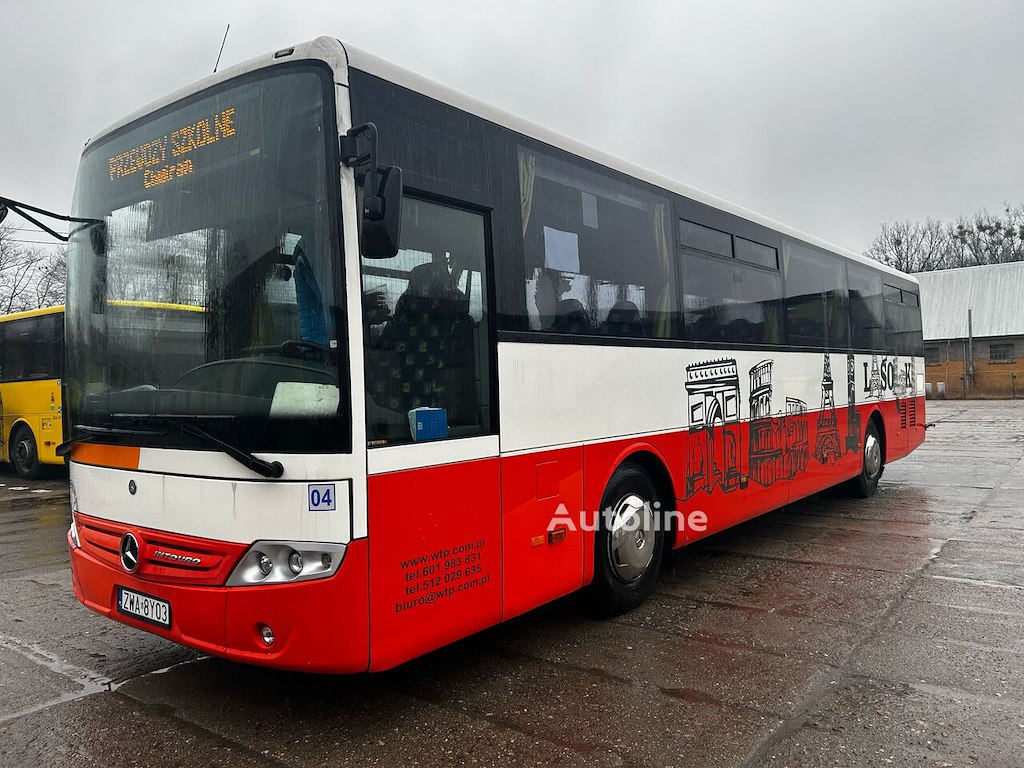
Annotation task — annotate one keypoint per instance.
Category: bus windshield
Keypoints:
(210, 296)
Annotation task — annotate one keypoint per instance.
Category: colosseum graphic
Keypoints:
(778, 444)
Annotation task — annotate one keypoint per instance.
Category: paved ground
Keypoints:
(830, 633)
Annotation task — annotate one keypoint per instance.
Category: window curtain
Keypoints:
(663, 320)
(527, 174)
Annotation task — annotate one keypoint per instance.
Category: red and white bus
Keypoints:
(303, 440)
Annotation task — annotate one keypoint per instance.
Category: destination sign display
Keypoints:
(174, 154)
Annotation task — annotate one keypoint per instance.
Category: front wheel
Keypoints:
(872, 464)
(629, 543)
(24, 454)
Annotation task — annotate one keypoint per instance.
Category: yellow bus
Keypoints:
(31, 368)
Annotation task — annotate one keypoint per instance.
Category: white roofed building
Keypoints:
(973, 323)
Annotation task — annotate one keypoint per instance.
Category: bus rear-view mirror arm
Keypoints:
(381, 214)
(97, 227)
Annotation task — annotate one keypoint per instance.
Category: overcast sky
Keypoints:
(832, 117)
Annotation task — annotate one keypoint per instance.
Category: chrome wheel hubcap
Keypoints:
(631, 538)
(872, 457)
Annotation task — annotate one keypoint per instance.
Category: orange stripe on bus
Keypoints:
(120, 456)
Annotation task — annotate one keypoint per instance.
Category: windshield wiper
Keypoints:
(260, 466)
(88, 433)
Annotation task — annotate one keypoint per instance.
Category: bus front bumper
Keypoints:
(318, 626)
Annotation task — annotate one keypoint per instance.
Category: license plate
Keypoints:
(144, 607)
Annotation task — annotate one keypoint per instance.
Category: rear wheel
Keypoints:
(24, 455)
(629, 544)
(872, 464)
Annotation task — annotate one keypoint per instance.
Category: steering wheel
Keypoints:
(294, 347)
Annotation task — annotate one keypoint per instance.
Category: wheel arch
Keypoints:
(609, 593)
(653, 462)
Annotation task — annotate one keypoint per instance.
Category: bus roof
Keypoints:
(32, 313)
(339, 56)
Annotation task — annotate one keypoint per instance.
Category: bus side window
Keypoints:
(23, 353)
(867, 316)
(729, 295)
(425, 325)
(902, 322)
(597, 249)
(817, 313)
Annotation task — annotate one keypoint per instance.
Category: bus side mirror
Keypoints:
(98, 238)
(382, 217)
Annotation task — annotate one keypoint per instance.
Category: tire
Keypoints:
(872, 464)
(24, 453)
(629, 545)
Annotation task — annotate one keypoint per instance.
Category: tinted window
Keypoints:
(725, 300)
(31, 348)
(867, 316)
(903, 323)
(916, 336)
(816, 297)
(597, 251)
(425, 321)
(755, 253)
(703, 238)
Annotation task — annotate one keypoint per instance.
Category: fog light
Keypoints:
(266, 565)
(325, 561)
(266, 635)
(295, 563)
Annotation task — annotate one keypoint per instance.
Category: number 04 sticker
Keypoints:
(322, 497)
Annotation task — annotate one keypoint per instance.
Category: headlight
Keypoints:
(74, 532)
(281, 562)
(264, 563)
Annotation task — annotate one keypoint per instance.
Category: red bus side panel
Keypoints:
(435, 557)
(541, 491)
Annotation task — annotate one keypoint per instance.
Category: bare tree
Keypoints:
(29, 277)
(987, 238)
(17, 269)
(984, 238)
(51, 276)
(912, 246)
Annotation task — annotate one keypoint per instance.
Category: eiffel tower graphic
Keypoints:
(899, 386)
(852, 416)
(826, 441)
(875, 380)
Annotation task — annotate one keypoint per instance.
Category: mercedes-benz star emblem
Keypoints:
(129, 552)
